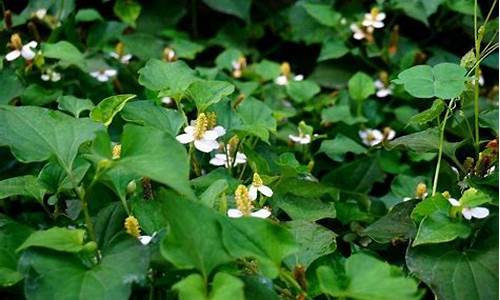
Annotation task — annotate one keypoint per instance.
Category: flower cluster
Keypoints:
(245, 205)
(26, 51)
(373, 137)
(286, 75)
(203, 133)
(372, 20)
(133, 228)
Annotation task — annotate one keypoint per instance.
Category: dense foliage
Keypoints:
(239, 149)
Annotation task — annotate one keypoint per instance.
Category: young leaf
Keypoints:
(361, 86)
(127, 10)
(302, 91)
(106, 110)
(147, 113)
(440, 228)
(339, 146)
(207, 92)
(238, 8)
(332, 49)
(56, 238)
(438, 106)
(445, 81)
(323, 13)
(66, 52)
(74, 105)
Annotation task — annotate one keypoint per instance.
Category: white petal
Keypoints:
(55, 77)
(205, 145)
(126, 58)
(114, 55)
(380, 16)
(166, 100)
(391, 135)
(110, 72)
(189, 129)
(218, 161)
(466, 212)
(234, 213)
(185, 138)
(252, 192)
(211, 135)
(261, 213)
(382, 93)
(407, 198)
(359, 36)
(294, 138)
(378, 24)
(95, 74)
(363, 134)
(454, 202)
(220, 130)
(145, 239)
(379, 84)
(479, 212)
(27, 53)
(306, 139)
(102, 77)
(45, 77)
(12, 55)
(40, 13)
(265, 190)
(299, 77)
(281, 80)
(32, 44)
(240, 158)
(367, 22)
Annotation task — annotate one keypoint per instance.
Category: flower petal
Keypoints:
(299, 77)
(210, 135)
(454, 202)
(205, 145)
(27, 53)
(32, 44)
(466, 212)
(265, 190)
(220, 130)
(102, 77)
(145, 239)
(262, 213)
(234, 213)
(12, 55)
(479, 212)
(218, 161)
(45, 77)
(252, 192)
(185, 138)
(281, 80)
(110, 72)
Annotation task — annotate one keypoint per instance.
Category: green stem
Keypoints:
(441, 143)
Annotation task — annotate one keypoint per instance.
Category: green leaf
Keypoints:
(37, 134)
(396, 225)
(419, 9)
(172, 79)
(323, 13)
(225, 59)
(340, 113)
(253, 237)
(127, 10)
(106, 110)
(224, 286)
(147, 113)
(339, 146)
(332, 49)
(74, 105)
(147, 151)
(266, 69)
(56, 238)
(207, 92)
(314, 242)
(489, 119)
(430, 205)
(66, 53)
(185, 48)
(124, 262)
(302, 208)
(440, 228)
(11, 86)
(28, 186)
(143, 45)
(216, 190)
(257, 119)
(438, 106)
(88, 15)
(473, 198)
(445, 81)
(361, 86)
(356, 176)
(12, 234)
(302, 91)
(37, 95)
(238, 8)
(451, 273)
(55, 179)
(189, 244)
(367, 278)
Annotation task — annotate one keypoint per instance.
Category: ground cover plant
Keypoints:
(239, 149)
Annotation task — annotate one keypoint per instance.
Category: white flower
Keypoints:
(299, 77)
(286, 74)
(166, 100)
(169, 54)
(382, 90)
(51, 75)
(301, 138)
(258, 186)
(374, 19)
(389, 133)
(124, 59)
(371, 137)
(26, 51)
(361, 33)
(204, 139)
(146, 239)
(40, 13)
(469, 213)
(262, 213)
(103, 75)
(221, 159)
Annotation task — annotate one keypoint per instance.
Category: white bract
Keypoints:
(245, 206)
(469, 213)
(51, 75)
(103, 75)
(301, 138)
(204, 139)
(382, 90)
(146, 239)
(358, 33)
(389, 133)
(258, 186)
(124, 59)
(374, 19)
(222, 159)
(371, 137)
(27, 51)
(40, 13)
(167, 100)
(262, 213)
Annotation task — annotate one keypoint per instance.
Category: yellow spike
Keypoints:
(243, 200)
(117, 151)
(421, 190)
(15, 41)
(201, 126)
(132, 226)
(257, 181)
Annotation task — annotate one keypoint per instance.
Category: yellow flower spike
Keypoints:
(117, 150)
(211, 120)
(421, 190)
(374, 12)
(132, 226)
(201, 126)
(15, 41)
(243, 200)
(285, 69)
(120, 49)
(257, 181)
